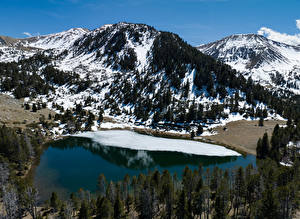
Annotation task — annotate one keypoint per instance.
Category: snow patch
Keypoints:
(135, 141)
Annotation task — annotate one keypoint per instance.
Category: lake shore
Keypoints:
(241, 135)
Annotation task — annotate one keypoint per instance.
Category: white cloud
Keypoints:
(281, 37)
(298, 23)
(27, 34)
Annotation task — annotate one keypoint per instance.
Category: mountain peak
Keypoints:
(7, 41)
(258, 57)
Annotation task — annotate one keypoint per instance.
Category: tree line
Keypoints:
(268, 191)
(282, 145)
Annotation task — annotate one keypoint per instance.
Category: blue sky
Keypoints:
(196, 21)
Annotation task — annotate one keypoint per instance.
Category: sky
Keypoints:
(196, 21)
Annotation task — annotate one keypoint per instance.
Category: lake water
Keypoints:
(76, 162)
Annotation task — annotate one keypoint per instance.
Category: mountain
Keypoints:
(4, 40)
(265, 61)
(15, 49)
(58, 41)
(134, 73)
(93, 50)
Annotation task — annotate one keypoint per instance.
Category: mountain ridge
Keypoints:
(266, 61)
(135, 73)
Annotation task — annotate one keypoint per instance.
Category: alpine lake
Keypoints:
(75, 163)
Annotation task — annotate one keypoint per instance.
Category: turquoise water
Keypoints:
(73, 163)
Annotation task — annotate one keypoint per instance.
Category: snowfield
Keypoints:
(135, 141)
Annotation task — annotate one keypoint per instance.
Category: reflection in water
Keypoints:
(73, 163)
(139, 160)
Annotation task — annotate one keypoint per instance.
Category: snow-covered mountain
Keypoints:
(90, 51)
(58, 41)
(131, 71)
(87, 51)
(265, 61)
(15, 49)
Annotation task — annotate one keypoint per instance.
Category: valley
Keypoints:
(166, 123)
(132, 76)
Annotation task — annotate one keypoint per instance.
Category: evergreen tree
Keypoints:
(118, 208)
(27, 107)
(100, 116)
(198, 202)
(239, 190)
(181, 206)
(102, 184)
(84, 212)
(261, 122)
(54, 201)
(192, 135)
(34, 108)
(269, 205)
(104, 209)
(219, 206)
(259, 152)
(265, 146)
(199, 130)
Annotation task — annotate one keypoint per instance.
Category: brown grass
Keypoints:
(12, 114)
(243, 135)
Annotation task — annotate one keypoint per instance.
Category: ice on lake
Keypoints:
(135, 141)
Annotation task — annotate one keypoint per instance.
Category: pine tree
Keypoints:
(261, 122)
(54, 201)
(118, 208)
(269, 205)
(265, 146)
(199, 130)
(192, 135)
(219, 206)
(27, 107)
(111, 192)
(84, 212)
(102, 184)
(198, 202)
(167, 192)
(34, 108)
(259, 152)
(128, 203)
(100, 116)
(275, 144)
(181, 206)
(104, 209)
(239, 189)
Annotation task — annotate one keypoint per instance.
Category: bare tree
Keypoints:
(102, 184)
(69, 210)
(111, 192)
(29, 145)
(31, 197)
(4, 174)
(10, 202)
